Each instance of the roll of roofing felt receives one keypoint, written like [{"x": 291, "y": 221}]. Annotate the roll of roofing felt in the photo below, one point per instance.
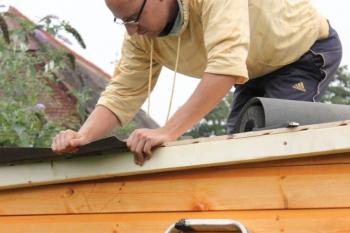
[{"x": 268, "y": 113}]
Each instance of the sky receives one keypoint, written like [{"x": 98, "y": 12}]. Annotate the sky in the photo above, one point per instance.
[{"x": 104, "y": 38}]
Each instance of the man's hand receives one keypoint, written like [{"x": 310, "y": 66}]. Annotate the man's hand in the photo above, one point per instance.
[
  {"x": 207, "y": 95},
  {"x": 141, "y": 142},
  {"x": 68, "y": 141},
  {"x": 100, "y": 123}
]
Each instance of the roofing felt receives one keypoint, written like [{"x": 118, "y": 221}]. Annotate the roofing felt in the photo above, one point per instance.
[{"x": 11, "y": 156}]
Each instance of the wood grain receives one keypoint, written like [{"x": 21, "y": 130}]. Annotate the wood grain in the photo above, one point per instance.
[
  {"x": 281, "y": 221},
  {"x": 289, "y": 187}
]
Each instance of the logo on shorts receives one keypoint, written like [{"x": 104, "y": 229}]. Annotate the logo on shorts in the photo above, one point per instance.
[{"x": 300, "y": 87}]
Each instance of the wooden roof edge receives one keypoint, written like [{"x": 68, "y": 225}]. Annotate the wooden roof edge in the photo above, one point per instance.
[
  {"x": 325, "y": 139},
  {"x": 57, "y": 44},
  {"x": 260, "y": 133}
]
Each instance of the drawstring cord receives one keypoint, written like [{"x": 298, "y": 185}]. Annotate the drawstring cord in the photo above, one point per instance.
[
  {"x": 174, "y": 78},
  {"x": 150, "y": 80}
]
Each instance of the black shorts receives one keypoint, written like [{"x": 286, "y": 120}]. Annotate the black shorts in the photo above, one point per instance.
[{"x": 305, "y": 79}]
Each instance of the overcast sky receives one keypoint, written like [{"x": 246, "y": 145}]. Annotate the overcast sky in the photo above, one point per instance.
[{"x": 103, "y": 38}]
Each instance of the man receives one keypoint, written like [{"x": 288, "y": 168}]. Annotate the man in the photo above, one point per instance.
[{"x": 279, "y": 49}]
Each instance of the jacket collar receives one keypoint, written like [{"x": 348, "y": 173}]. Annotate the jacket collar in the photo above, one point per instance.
[{"x": 181, "y": 21}]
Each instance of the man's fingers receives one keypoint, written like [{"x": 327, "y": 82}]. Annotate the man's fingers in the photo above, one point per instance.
[
  {"x": 138, "y": 151},
  {"x": 147, "y": 149},
  {"x": 75, "y": 142},
  {"x": 54, "y": 144},
  {"x": 136, "y": 144},
  {"x": 62, "y": 142},
  {"x": 74, "y": 145},
  {"x": 130, "y": 139},
  {"x": 141, "y": 142}
]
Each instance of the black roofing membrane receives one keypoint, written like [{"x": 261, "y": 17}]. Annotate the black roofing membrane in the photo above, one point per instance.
[{"x": 12, "y": 156}]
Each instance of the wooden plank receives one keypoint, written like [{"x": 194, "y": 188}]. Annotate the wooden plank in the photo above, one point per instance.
[
  {"x": 260, "y": 133},
  {"x": 207, "y": 154},
  {"x": 291, "y": 221},
  {"x": 291, "y": 187},
  {"x": 343, "y": 158}
]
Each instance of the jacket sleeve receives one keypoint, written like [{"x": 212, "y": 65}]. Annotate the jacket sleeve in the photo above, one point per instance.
[
  {"x": 128, "y": 88},
  {"x": 226, "y": 36}
]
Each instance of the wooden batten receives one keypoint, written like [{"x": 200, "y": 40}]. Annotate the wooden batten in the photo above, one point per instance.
[
  {"x": 207, "y": 189},
  {"x": 305, "y": 141},
  {"x": 280, "y": 221}
]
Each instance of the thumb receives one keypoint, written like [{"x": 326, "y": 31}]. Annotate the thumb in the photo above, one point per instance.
[{"x": 76, "y": 142}]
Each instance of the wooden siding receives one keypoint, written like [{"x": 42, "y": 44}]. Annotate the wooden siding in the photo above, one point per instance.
[
  {"x": 295, "y": 195},
  {"x": 275, "y": 221}
]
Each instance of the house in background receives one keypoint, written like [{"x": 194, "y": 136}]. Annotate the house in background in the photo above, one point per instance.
[{"x": 61, "y": 104}]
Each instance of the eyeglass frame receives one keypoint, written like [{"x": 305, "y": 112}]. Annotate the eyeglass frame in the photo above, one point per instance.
[{"x": 134, "y": 22}]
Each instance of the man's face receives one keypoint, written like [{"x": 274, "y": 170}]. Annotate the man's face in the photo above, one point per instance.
[{"x": 143, "y": 17}]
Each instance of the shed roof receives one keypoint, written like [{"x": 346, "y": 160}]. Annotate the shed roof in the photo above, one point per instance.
[{"x": 284, "y": 143}]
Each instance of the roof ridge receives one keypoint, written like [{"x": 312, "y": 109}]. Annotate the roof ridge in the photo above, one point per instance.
[{"x": 56, "y": 43}]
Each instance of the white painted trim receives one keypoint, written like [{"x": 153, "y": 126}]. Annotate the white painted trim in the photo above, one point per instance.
[{"x": 329, "y": 139}]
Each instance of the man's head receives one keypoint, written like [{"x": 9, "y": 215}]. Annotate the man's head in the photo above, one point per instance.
[{"x": 144, "y": 17}]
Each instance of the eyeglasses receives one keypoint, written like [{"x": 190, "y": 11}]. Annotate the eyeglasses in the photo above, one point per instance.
[{"x": 132, "y": 22}]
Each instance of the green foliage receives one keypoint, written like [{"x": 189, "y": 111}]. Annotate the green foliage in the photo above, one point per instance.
[
  {"x": 338, "y": 91},
  {"x": 124, "y": 132},
  {"x": 214, "y": 123},
  {"x": 4, "y": 29},
  {"x": 47, "y": 24},
  {"x": 23, "y": 82},
  {"x": 82, "y": 96},
  {"x": 24, "y": 126}
]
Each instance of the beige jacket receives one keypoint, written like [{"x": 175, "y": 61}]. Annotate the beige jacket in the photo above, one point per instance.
[{"x": 242, "y": 38}]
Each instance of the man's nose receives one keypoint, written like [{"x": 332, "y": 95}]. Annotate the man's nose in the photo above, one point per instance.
[{"x": 131, "y": 29}]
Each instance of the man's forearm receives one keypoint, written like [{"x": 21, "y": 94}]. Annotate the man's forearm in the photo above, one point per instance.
[
  {"x": 100, "y": 123},
  {"x": 207, "y": 95}
]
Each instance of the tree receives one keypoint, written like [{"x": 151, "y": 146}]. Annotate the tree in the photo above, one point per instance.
[
  {"x": 214, "y": 123},
  {"x": 24, "y": 77},
  {"x": 338, "y": 91},
  {"x": 23, "y": 122}
]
